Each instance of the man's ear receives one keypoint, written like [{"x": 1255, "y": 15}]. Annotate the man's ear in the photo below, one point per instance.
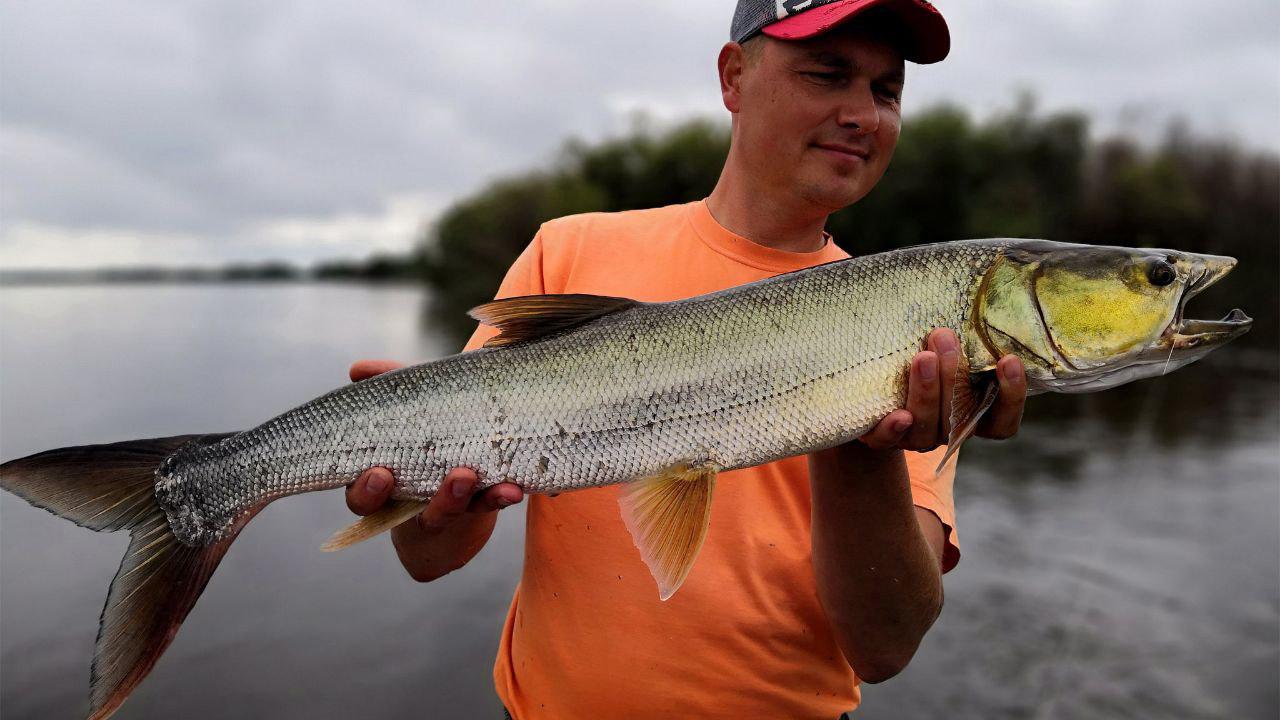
[{"x": 732, "y": 62}]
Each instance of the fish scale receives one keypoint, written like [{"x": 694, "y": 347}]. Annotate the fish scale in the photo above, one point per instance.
[{"x": 733, "y": 379}]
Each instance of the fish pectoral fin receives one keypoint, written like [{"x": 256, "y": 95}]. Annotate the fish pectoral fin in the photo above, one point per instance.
[
  {"x": 668, "y": 516},
  {"x": 391, "y": 515},
  {"x": 972, "y": 396},
  {"x": 535, "y": 316}
]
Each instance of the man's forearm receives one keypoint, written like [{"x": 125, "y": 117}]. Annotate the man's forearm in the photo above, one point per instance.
[{"x": 879, "y": 578}]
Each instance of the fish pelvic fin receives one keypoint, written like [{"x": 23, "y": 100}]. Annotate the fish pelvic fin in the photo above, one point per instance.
[
  {"x": 533, "y": 316},
  {"x": 108, "y": 488},
  {"x": 668, "y": 516},
  {"x": 391, "y": 515},
  {"x": 971, "y": 397}
]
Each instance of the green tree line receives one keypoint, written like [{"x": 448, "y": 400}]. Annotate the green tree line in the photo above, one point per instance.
[{"x": 1020, "y": 174}]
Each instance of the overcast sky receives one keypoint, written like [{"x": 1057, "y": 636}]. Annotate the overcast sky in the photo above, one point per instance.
[{"x": 192, "y": 133}]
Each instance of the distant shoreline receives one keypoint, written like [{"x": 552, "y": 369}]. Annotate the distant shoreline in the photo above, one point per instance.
[
  {"x": 378, "y": 269},
  {"x": 8, "y": 279}
]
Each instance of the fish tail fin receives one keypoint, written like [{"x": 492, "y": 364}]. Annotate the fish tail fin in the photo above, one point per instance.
[{"x": 108, "y": 488}]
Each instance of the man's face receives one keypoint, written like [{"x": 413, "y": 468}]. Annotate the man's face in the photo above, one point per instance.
[{"x": 821, "y": 116}]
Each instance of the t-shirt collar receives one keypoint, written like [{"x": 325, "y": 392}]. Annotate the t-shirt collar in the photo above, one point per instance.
[{"x": 740, "y": 249}]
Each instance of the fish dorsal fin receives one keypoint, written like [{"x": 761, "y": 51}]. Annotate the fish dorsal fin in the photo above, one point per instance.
[
  {"x": 391, "y": 515},
  {"x": 972, "y": 396},
  {"x": 534, "y": 316},
  {"x": 668, "y": 515}
]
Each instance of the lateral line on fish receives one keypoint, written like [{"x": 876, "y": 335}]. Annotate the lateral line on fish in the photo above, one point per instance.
[
  {"x": 587, "y": 432},
  {"x": 714, "y": 409}
]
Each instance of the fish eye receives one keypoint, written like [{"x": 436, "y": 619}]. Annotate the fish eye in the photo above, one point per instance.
[{"x": 1161, "y": 273}]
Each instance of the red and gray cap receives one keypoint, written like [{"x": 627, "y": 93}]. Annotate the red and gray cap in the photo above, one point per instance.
[{"x": 925, "y": 32}]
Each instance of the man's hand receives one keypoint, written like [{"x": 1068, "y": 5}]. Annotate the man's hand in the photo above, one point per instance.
[
  {"x": 456, "y": 523},
  {"x": 925, "y": 422}
]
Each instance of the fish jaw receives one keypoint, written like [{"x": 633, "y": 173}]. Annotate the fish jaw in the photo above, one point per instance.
[{"x": 1203, "y": 336}]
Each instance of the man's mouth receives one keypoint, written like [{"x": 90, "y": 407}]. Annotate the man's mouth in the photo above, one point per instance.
[{"x": 851, "y": 151}]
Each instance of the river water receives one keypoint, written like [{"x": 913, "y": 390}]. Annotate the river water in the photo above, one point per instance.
[{"x": 1120, "y": 557}]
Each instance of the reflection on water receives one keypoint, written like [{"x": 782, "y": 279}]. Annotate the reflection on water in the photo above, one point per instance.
[{"x": 1120, "y": 556}]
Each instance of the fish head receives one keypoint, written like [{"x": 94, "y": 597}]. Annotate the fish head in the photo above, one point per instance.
[{"x": 1086, "y": 317}]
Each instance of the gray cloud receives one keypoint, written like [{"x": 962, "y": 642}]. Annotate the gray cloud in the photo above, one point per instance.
[{"x": 242, "y": 130}]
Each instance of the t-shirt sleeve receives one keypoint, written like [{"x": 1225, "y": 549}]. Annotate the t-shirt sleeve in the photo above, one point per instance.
[
  {"x": 524, "y": 277},
  {"x": 934, "y": 494}
]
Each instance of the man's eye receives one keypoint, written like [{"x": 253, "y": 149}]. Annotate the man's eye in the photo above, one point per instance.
[
  {"x": 889, "y": 93},
  {"x": 824, "y": 76}
]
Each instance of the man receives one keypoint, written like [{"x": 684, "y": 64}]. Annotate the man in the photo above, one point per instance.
[{"x": 817, "y": 572}]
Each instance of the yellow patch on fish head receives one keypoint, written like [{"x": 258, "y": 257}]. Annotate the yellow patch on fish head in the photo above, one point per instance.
[{"x": 1101, "y": 304}]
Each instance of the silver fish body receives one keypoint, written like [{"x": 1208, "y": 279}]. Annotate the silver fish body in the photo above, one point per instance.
[{"x": 755, "y": 373}]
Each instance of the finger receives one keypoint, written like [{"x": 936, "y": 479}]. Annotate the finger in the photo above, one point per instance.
[
  {"x": 497, "y": 497},
  {"x": 923, "y": 402},
  {"x": 944, "y": 342},
  {"x": 365, "y": 369},
  {"x": 370, "y": 491},
  {"x": 889, "y": 431},
  {"x": 1005, "y": 417},
  {"x": 450, "y": 501}
]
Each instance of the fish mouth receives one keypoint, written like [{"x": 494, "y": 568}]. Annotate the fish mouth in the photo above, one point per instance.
[{"x": 1192, "y": 332}]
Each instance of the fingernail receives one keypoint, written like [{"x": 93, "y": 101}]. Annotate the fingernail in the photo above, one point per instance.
[
  {"x": 928, "y": 369},
  {"x": 900, "y": 426},
  {"x": 947, "y": 343},
  {"x": 503, "y": 502},
  {"x": 461, "y": 488},
  {"x": 378, "y": 483},
  {"x": 1007, "y": 371}
]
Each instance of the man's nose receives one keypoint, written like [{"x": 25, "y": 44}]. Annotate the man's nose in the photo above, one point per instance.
[{"x": 859, "y": 111}]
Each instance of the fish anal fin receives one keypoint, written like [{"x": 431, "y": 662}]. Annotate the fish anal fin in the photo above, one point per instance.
[
  {"x": 391, "y": 515},
  {"x": 667, "y": 516},
  {"x": 534, "y": 316},
  {"x": 972, "y": 396}
]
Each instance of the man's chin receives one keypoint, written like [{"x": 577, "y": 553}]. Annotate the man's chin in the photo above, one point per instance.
[{"x": 833, "y": 196}]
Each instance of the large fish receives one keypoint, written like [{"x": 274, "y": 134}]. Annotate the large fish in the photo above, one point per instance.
[{"x": 580, "y": 391}]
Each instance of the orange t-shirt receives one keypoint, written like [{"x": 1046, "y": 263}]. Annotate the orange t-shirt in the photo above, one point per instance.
[{"x": 745, "y": 636}]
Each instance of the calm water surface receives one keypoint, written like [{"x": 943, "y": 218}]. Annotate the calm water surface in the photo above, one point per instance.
[{"x": 1119, "y": 557}]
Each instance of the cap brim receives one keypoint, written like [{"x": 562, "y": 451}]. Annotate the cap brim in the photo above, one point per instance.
[{"x": 928, "y": 38}]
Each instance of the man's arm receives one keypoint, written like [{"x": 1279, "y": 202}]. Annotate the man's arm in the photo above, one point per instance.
[
  {"x": 878, "y": 557},
  {"x": 879, "y": 576}
]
